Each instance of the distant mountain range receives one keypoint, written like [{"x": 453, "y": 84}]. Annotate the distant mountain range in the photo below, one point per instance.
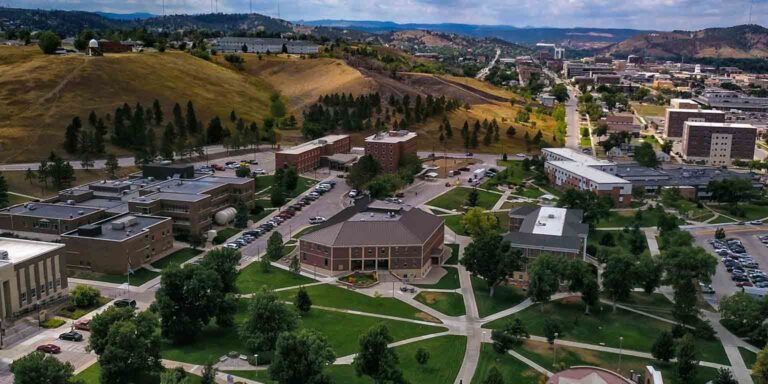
[
  {"x": 579, "y": 37},
  {"x": 126, "y": 16},
  {"x": 739, "y": 42}
]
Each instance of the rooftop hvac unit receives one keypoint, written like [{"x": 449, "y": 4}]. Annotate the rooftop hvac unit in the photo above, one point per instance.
[
  {"x": 551, "y": 216},
  {"x": 4, "y": 255}
]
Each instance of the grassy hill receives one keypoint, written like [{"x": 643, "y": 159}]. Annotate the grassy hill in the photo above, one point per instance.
[{"x": 39, "y": 94}]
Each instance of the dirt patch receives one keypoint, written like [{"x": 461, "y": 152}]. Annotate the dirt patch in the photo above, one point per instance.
[
  {"x": 432, "y": 297},
  {"x": 427, "y": 317}
]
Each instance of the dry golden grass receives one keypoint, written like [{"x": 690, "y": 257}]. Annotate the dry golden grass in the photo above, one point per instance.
[
  {"x": 483, "y": 86},
  {"x": 302, "y": 81},
  {"x": 39, "y": 94}
]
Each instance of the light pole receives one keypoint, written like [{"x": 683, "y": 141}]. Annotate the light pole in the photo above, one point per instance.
[
  {"x": 554, "y": 342},
  {"x": 621, "y": 341}
]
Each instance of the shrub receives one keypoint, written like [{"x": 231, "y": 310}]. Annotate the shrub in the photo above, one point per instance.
[
  {"x": 84, "y": 296},
  {"x": 53, "y": 322}
]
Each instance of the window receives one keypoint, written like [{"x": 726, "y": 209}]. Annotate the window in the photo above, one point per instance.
[
  {"x": 32, "y": 292},
  {"x": 304, "y": 256},
  {"x": 23, "y": 298},
  {"x": 50, "y": 285},
  {"x": 325, "y": 262},
  {"x": 42, "y": 289}
]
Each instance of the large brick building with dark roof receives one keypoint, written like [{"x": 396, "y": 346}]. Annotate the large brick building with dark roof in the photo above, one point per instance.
[{"x": 381, "y": 236}]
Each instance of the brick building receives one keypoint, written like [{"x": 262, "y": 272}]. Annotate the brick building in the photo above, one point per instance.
[
  {"x": 306, "y": 157},
  {"x": 31, "y": 275},
  {"x": 571, "y": 174},
  {"x": 676, "y": 118},
  {"x": 113, "y": 245},
  {"x": 48, "y": 219},
  {"x": 407, "y": 242},
  {"x": 718, "y": 143},
  {"x": 557, "y": 231},
  {"x": 387, "y": 148},
  {"x": 621, "y": 123}
]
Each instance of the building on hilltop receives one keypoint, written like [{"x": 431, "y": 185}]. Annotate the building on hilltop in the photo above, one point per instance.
[
  {"x": 538, "y": 230},
  {"x": 377, "y": 236},
  {"x": 116, "y": 244},
  {"x": 31, "y": 275},
  {"x": 387, "y": 148}
]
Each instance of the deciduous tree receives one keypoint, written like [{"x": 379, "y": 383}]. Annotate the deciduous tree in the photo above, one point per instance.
[
  {"x": 492, "y": 259},
  {"x": 266, "y": 319},
  {"x": 39, "y": 368},
  {"x": 300, "y": 357},
  {"x": 375, "y": 359}
]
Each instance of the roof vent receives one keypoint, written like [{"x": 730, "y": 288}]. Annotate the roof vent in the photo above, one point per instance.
[
  {"x": 551, "y": 216},
  {"x": 4, "y": 255}
]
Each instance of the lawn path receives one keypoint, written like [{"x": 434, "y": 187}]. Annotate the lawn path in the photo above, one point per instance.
[
  {"x": 346, "y": 360},
  {"x": 502, "y": 200},
  {"x": 471, "y": 324}
]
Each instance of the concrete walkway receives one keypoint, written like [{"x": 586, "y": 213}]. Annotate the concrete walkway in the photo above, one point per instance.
[
  {"x": 650, "y": 237},
  {"x": 501, "y": 201},
  {"x": 731, "y": 343},
  {"x": 471, "y": 324},
  {"x": 346, "y": 360}
]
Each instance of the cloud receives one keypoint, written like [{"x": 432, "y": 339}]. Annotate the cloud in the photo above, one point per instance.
[{"x": 643, "y": 14}]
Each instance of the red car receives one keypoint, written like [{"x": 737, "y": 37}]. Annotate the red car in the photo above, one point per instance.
[
  {"x": 49, "y": 348},
  {"x": 744, "y": 284},
  {"x": 83, "y": 325}
]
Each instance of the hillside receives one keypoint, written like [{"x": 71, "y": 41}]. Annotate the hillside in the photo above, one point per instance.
[
  {"x": 40, "y": 94},
  {"x": 741, "y": 42}
]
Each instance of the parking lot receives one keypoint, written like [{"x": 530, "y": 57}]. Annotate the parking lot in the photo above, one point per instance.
[{"x": 723, "y": 282}]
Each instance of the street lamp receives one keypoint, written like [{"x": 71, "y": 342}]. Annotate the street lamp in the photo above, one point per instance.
[
  {"x": 554, "y": 363},
  {"x": 621, "y": 340}
]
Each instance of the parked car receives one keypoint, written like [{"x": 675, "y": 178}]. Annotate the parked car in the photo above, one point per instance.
[
  {"x": 747, "y": 283},
  {"x": 49, "y": 348},
  {"x": 739, "y": 278},
  {"x": 71, "y": 336},
  {"x": 353, "y": 193},
  {"x": 756, "y": 222},
  {"x": 253, "y": 162},
  {"x": 706, "y": 288},
  {"x": 259, "y": 171},
  {"x": 120, "y": 303},
  {"x": 469, "y": 154},
  {"x": 83, "y": 324},
  {"x": 317, "y": 220},
  {"x": 217, "y": 167}
]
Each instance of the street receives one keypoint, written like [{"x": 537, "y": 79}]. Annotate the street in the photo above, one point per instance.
[{"x": 573, "y": 135}]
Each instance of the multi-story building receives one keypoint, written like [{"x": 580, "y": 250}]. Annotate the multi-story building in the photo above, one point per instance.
[
  {"x": 47, "y": 219},
  {"x": 718, "y": 143},
  {"x": 571, "y": 174},
  {"x": 681, "y": 177},
  {"x": 405, "y": 241},
  {"x": 568, "y": 154},
  {"x": 557, "y": 231},
  {"x": 265, "y": 45},
  {"x": 683, "y": 104},
  {"x": 192, "y": 203},
  {"x": 676, "y": 118},
  {"x": 306, "y": 157},
  {"x": 621, "y": 123},
  {"x": 724, "y": 100},
  {"x": 118, "y": 244},
  {"x": 387, "y": 148},
  {"x": 607, "y": 79},
  {"x": 31, "y": 275},
  {"x": 572, "y": 69}
]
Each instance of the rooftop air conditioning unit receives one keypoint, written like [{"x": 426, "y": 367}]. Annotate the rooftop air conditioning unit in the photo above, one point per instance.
[{"x": 4, "y": 255}]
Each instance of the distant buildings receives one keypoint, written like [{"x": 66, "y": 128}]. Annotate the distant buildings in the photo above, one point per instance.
[
  {"x": 382, "y": 236},
  {"x": 307, "y": 156},
  {"x": 31, "y": 275},
  {"x": 573, "y": 69},
  {"x": 537, "y": 230},
  {"x": 621, "y": 123},
  {"x": 683, "y": 177},
  {"x": 566, "y": 168},
  {"x": 675, "y": 119},
  {"x": 718, "y": 143},
  {"x": 387, "y": 148},
  {"x": 724, "y": 100},
  {"x": 265, "y": 45},
  {"x": 118, "y": 243}
]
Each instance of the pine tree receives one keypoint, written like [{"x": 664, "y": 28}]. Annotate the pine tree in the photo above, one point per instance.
[
  {"x": 157, "y": 111},
  {"x": 3, "y": 192},
  {"x": 191, "y": 118},
  {"x": 447, "y": 127},
  {"x": 151, "y": 143},
  {"x": 167, "y": 144},
  {"x": 72, "y": 135},
  {"x": 303, "y": 302},
  {"x": 178, "y": 119},
  {"x": 92, "y": 119}
]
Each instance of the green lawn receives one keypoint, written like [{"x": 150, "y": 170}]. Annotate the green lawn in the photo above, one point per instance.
[
  {"x": 748, "y": 356},
  {"x": 512, "y": 174},
  {"x": 75, "y": 313},
  {"x": 531, "y": 193},
  {"x": 177, "y": 258},
  {"x": 261, "y": 376},
  {"x": 720, "y": 219},
  {"x": 621, "y": 239},
  {"x": 341, "y": 329},
  {"x": 454, "y": 259},
  {"x": 305, "y": 231},
  {"x": 224, "y": 234},
  {"x": 264, "y": 213},
  {"x": 456, "y": 198},
  {"x": 751, "y": 211},
  {"x": 331, "y": 296},
  {"x": 446, "y": 354},
  {"x": 448, "y": 303},
  {"x": 687, "y": 208},
  {"x": 265, "y": 183},
  {"x": 649, "y": 109},
  {"x": 604, "y": 327},
  {"x": 252, "y": 278},
  {"x": 585, "y": 142},
  {"x": 504, "y": 297},
  {"x": 91, "y": 376},
  {"x": 449, "y": 281},
  {"x": 287, "y": 249},
  {"x": 513, "y": 370},
  {"x": 14, "y": 199},
  {"x": 139, "y": 277},
  {"x": 544, "y": 355},
  {"x": 655, "y": 304},
  {"x": 621, "y": 219}
]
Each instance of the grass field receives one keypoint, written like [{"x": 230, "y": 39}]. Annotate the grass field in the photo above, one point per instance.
[
  {"x": 251, "y": 278},
  {"x": 621, "y": 239},
  {"x": 341, "y": 329},
  {"x": 649, "y": 109},
  {"x": 177, "y": 258},
  {"x": 620, "y": 219},
  {"x": 720, "y": 219},
  {"x": 687, "y": 208},
  {"x": 751, "y": 211},
  {"x": 336, "y": 297},
  {"x": 446, "y": 354},
  {"x": 449, "y": 281},
  {"x": 544, "y": 355},
  {"x": 512, "y": 174},
  {"x": 604, "y": 327},
  {"x": 512, "y": 369},
  {"x": 748, "y": 356},
  {"x": 75, "y": 313},
  {"x": 454, "y": 259},
  {"x": 449, "y": 303},
  {"x": 223, "y": 234},
  {"x": 456, "y": 198},
  {"x": 91, "y": 376},
  {"x": 504, "y": 297},
  {"x": 36, "y": 105}
]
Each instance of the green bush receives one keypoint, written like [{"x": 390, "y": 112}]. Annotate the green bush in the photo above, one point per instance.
[
  {"x": 84, "y": 296},
  {"x": 53, "y": 322}
]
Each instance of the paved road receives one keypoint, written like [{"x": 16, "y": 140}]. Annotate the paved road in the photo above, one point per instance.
[
  {"x": 573, "y": 135},
  {"x": 484, "y": 72}
]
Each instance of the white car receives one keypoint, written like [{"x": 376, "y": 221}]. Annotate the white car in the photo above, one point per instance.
[
  {"x": 259, "y": 171},
  {"x": 317, "y": 220},
  {"x": 353, "y": 193}
]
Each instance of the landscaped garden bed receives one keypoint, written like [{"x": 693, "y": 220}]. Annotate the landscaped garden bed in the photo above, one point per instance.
[{"x": 360, "y": 279}]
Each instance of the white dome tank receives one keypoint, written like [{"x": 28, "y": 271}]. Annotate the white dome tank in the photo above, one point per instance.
[
  {"x": 93, "y": 43},
  {"x": 225, "y": 216}
]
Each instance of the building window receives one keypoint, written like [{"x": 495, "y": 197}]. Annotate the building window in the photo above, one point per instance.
[
  {"x": 325, "y": 262},
  {"x": 304, "y": 256},
  {"x": 23, "y": 298},
  {"x": 32, "y": 292}
]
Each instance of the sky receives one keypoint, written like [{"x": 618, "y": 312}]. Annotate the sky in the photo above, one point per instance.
[{"x": 640, "y": 14}]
